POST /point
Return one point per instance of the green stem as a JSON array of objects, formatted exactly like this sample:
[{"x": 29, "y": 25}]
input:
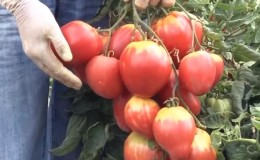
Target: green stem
[{"x": 110, "y": 30}]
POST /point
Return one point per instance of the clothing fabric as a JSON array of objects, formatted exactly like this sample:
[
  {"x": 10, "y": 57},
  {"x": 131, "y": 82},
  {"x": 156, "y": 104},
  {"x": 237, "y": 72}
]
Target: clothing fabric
[{"x": 28, "y": 127}]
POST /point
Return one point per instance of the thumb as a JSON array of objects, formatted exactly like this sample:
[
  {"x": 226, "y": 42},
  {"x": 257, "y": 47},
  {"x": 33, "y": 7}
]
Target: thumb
[{"x": 60, "y": 44}]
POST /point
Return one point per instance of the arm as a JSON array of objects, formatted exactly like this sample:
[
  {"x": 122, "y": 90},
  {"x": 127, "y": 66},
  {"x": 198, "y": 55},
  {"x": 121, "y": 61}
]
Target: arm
[{"x": 37, "y": 28}]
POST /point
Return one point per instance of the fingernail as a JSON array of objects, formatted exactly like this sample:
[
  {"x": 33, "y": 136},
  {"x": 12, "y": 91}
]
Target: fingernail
[{"x": 66, "y": 55}]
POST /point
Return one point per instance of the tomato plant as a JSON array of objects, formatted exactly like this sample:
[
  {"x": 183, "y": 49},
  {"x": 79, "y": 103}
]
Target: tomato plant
[
  {"x": 144, "y": 67},
  {"x": 140, "y": 113},
  {"x": 174, "y": 130}
]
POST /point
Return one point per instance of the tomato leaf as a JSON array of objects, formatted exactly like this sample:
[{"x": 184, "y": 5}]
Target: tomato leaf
[
  {"x": 240, "y": 94},
  {"x": 216, "y": 139},
  {"x": 96, "y": 139},
  {"x": 255, "y": 110},
  {"x": 244, "y": 53},
  {"x": 246, "y": 74},
  {"x": 242, "y": 149},
  {"x": 76, "y": 125},
  {"x": 256, "y": 122}
]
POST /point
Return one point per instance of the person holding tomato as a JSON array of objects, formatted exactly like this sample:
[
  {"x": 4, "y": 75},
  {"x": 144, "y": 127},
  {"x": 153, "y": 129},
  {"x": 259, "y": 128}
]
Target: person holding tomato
[{"x": 29, "y": 128}]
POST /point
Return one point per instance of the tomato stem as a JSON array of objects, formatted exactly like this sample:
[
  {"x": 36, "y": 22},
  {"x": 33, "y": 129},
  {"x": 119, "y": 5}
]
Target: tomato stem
[{"x": 111, "y": 29}]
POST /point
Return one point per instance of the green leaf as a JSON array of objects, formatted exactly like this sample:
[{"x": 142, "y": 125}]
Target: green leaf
[
  {"x": 255, "y": 110},
  {"x": 95, "y": 141},
  {"x": 240, "y": 94},
  {"x": 198, "y": 2},
  {"x": 246, "y": 74},
  {"x": 244, "y": 53},
  {"x": 216, "y": 139},
  {"x": 242, "y": 149},
  {"x": 73, "y": 135},
  {"x": 256, "y": 122}
]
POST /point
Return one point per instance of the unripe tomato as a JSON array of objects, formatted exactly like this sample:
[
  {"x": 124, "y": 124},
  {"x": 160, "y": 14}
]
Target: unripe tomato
[
  {"x": 174, "y": 129},
  {"x": 139, "y": 147},
  {"x": 84, "y": 42},
  {"x": 197, "y": 72},
  {"x": 219, "y": 67},
  {"x": 201, "y": 148},
  {"x": 103, "y": 77},
  {"x": 118, "y": 110},
  {"x": 140, "y": 114},
  {"x": 122, "y": 37},
  {"x": 223, "y": 106},
  {"x": 192, "y": 101},
  {"x": 144, "y": 67}
]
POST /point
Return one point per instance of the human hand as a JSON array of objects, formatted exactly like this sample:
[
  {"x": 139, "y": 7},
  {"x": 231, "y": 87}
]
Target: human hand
[
  {"x": 38, "y": 28},
  {"x": 142, "y": 4}
]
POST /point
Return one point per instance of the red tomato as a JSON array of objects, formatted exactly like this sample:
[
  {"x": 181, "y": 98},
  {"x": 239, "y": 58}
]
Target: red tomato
[
  {"x": 175, "y": 31},
  {"x": 192, "y": 101},
  {"x": 145, "y": 68},
  {"x": 174, "y": 130},
  {"x": 79, "y": 71},
  {"x": 219, "y": 68},
  {"x": 140, "y": 114},
  {"x": 201, "y": 148},
  {"x": 197, "y": 72},
  {"x": 118, "y": 110},
  {"x": 83, "y": 40},
  {"x": 122, "y": 37},
  {"x": 103, "y": 77},
  {"x": 166, "y": 92},
  {"x": 138, "y": 147}
]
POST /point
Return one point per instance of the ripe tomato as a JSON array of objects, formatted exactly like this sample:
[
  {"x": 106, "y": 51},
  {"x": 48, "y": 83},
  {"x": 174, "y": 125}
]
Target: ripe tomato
[
  {"x": 103, "y": 77},
  {"x": 197, "y": 72},
  {"x": 79, "y": 71},
  {"x": 174, "y": 129},
  {"x": 140, "y": 114},
  {"x": 175, "y": 31},
  {"x": 84, "y": 42},
  {"x": 122, "y": 37},
  {"x": 201, "y": 148},
  {"x": 118, "y": 110},
  {"x": 144, "y": 67},
  {"x": 219, "y": 67},
  {"x": 192, "y": 101},
  {"x": 138, "y": 147},
  {"x": 166, "y": 92}
]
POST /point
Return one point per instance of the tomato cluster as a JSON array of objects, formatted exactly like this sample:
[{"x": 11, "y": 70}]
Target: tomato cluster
[{"x": 137, "y": 74}]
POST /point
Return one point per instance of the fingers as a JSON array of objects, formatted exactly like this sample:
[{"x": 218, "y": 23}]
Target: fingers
[
  {"x": 168, "y": 3},
  {"x": 59, "y": 42},
  {"x": 154, "y": 2},
  {"x": 141, "y": 4},
  {"x": 54, "y": 68}
]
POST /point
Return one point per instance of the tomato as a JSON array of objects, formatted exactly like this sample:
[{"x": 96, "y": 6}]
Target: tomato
[
  {"x": 103, "y": 77},
  {"x": 223, "y": 106},
  {"x": 145, "y": 68},
  {"x": 175, "y": 31},
  {"x": 197, "y": 72},
  {"x": 219, "y": 67},
  {"x": 140, "y": 114},
  {"x": 84, "y": 42},
  {"x": 79, "y": 71},
  {"x": 174, "y": 129},
  {"x": 138, "y": 147},
  {"x": 122, "y": 37},
  {"x": 192, "y": 101},
  {"x": 201, "y": 148},
  {"x": 118, "y": 110},
  {"x": 166, "y": 92}
]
